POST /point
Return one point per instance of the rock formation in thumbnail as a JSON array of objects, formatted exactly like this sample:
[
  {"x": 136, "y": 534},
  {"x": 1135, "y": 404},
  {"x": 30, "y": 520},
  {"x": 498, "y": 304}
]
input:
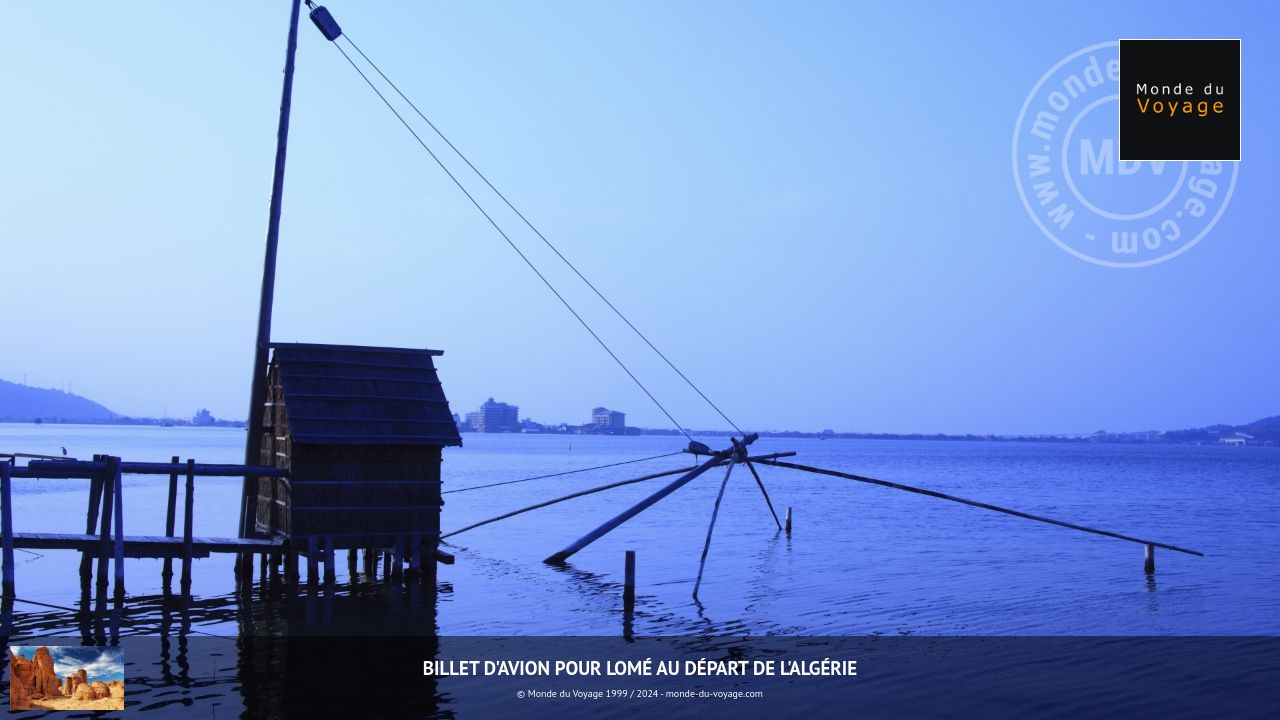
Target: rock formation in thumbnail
[{"x": 34, "y": 685}]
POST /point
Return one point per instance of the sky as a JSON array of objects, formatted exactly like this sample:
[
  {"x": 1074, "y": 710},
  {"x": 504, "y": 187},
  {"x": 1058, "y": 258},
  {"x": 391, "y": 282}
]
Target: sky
[
  {"x": 101, "y": 664},
  {"x": 809, "y": 207}
]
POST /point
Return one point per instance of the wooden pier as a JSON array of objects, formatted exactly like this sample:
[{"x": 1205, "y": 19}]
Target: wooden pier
[{"x": 104, "y": 538}]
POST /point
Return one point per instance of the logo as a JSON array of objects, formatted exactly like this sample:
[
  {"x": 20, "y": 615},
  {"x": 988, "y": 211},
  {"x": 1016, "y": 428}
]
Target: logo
[{"x": 1082, "y": 196}]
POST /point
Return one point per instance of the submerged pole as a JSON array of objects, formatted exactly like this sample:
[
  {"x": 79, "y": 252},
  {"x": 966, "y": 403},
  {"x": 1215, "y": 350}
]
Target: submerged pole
[
  {"x": 629, "y": 582},
  {"x": 1149, "y": 559},
  {"x": 262, "y": 345}
]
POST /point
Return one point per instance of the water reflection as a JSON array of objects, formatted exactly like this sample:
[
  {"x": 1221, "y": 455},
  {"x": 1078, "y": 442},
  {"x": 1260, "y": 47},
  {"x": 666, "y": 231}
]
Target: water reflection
[{"x": 270, "y": 649}]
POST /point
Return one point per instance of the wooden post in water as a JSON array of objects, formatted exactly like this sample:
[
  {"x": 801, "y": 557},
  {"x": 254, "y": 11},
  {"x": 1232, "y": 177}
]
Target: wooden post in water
[
  {"x": 788, "y": 521},
  {"x": 415, "y": 558},
  {"x": 629, "y": 583},
  {"x": 170, "y": 519},
  {"x": 91, "y": 522},
  {"x": 397, "y": 560},
  {"x": 386, "y": 564},
  {"x": 351, "y": 564},
  {"x": 117, "y": 482},
  {"x": 313, "y": 574},
  {"x": 104, "y": 528},
  {"x": 330, "y": 559},
  {"x": 188, "y": 523},
  {"x": 6, "y": 528},
  {"x": 369, "y": 561},
  {"x": 1149, "y": 559}
]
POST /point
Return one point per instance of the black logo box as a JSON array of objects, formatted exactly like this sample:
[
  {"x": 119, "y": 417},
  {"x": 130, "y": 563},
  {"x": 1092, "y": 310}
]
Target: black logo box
[{"x": 1187, "y": 68}]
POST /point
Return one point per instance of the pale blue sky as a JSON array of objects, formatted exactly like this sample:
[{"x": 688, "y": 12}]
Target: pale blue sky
[{"x": 808, "y": 205}]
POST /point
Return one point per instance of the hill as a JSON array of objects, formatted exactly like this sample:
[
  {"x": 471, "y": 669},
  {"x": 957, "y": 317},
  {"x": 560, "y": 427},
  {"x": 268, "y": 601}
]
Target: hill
[{"x": 20, "y": 403}]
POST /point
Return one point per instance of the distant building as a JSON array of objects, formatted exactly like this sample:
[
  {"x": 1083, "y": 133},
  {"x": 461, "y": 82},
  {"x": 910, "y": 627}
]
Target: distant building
[
  {"x": 494, "y": 417},
  {"x": 607, "y": 422}
]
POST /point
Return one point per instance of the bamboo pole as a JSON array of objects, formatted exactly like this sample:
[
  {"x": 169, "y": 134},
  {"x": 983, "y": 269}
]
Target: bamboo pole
[
  {"x": 715, "y": 511},
  {"x": 764, "y": 492},
  {"x": 590, "y": 491},
  {"x": 975, "y": 503},
  {"x": 634, "y": 510}
]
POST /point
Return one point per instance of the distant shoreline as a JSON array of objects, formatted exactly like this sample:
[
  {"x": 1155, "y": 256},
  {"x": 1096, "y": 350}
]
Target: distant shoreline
[{"x": 1213, "y": 435}]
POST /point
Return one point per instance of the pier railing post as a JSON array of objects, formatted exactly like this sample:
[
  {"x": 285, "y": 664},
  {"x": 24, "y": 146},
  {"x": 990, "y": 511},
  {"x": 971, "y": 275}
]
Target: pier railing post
[
  {"x": 188, "y": 518},
  {"x": 170, "y": 519},
  {"x": 91, "y": 521},
  {"x": 117, "y": 484},
  {"x": 6, "y": 527},
  {"x": 104, "y": 535}
]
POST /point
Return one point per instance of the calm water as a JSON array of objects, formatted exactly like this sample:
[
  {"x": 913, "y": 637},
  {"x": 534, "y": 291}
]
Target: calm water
[{"x": 862, "y": 560}]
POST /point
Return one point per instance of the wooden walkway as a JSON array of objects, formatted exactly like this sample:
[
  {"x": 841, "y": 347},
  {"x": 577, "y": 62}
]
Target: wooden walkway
[
  {"x": 146, "y": 546},
  {"x": 104, "y": 538}
]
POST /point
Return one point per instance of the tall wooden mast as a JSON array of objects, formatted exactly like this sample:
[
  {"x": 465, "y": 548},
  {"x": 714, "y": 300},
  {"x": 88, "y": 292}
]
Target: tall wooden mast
[{"x": 262, "y": 344}]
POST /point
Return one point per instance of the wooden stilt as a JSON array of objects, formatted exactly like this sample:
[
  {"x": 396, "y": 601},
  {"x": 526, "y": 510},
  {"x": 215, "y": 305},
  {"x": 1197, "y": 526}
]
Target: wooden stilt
[
  {"x": 330, "y": 557},
  {"x": 386, "y": 564},
  {"x": 117, "y": 481},
  {"x": 6, "y": 529},
  {"x": 313, "y": 574},
  {"x": 188, "y": 522},
  {"x": 369, "y": 563},
  {"x": 351, "y": 564},
  {"x": 170, "y": 519},
  {"x": 415, "y": 557},
  {"x": 291, "y": 565},
  {"x": 788, "y": 522},
  {"x": 91, "y": 521},
  {"x": 262, "y": 566},
  {"x": 104, "y": 531},
  {"x": 1149, "y": 560},
  {"x": 397, "y": 559}
]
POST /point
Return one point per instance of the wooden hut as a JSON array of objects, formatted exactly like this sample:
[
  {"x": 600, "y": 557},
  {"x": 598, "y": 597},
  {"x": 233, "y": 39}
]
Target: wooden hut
[{"x": 360, "y": 430}]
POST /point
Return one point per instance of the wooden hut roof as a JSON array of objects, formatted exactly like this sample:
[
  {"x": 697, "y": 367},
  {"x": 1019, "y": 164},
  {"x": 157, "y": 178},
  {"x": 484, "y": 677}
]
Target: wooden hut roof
[{"x": 355, "y": 395}]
